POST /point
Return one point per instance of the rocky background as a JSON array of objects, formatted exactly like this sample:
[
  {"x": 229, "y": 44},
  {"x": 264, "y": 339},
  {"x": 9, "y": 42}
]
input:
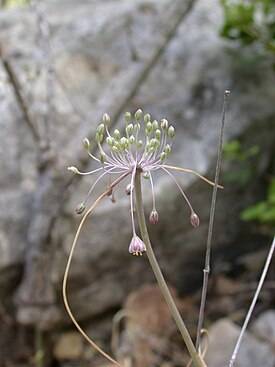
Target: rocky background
[{"x": 64, "y": 64}]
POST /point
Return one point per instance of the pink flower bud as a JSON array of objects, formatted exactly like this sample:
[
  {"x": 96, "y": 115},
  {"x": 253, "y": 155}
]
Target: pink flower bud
[
  {"x": 154, "y": 217},
  {"x": 195, "y": 220}
]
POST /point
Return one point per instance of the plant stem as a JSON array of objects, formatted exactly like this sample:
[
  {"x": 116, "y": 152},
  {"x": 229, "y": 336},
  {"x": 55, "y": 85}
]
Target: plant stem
[
  {"x": 206, "y": 269},
  {"x": 197, "y": 360}
]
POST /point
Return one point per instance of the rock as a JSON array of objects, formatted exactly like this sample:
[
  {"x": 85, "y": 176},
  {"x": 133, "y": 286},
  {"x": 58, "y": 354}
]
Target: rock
[
  {"x": 92, "y": 44},
  {"x": 223, "y": 336},
  {"x": 68, "y": 346},
  {"x": 264, "y": 327}
]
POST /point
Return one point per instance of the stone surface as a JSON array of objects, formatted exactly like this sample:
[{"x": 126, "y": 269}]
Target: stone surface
[
  {"x": 264, "y": 327},
  {"x": 223, "y": 336},
  {"x": 93, "y": 42}
]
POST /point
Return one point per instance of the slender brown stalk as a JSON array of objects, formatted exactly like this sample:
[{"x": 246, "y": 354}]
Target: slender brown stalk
[{"x": 206, "y": 269}]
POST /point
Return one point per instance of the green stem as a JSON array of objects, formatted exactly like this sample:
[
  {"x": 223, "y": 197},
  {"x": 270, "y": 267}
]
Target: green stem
[{"x": 198, "y": 362}]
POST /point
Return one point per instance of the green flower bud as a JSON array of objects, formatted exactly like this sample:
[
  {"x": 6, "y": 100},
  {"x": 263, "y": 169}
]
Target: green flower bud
[
  {"x": 152, "y": 149},
  {"x": 146, "y": 175},
  {"x": 86, "y": 143},
  {"x": 164, "y": 124},
  {"x": 140, "y": 144},
  {"x": 100, "y": 129},
  {"x": 149, "y": 126},
  {"x": 80, "y": 208},
  {"x": 153, "y": 143},
  {"x": 163, "y": 156},
  {"x": 115, "y": 149},
  {"x": 167, "y": 149},
  {"x": 129, "y": 129},
  {"x": 98, "y": 137},
  {"x": 158, "y": 134},
  {"x": 106, "y": 119},
  {"x": 110, "y": 141},
  {"x": 147, "y": 118},
  {"x": 127, "y": 116},
  {"x": 102, "y": 157},
  {"x": 138, "y": 114},
  {"x": 116, "y": 134},
  {"x": 124, "y": 143},
  {"x": 131, "y": 139},
  {"x": 171, "y": 131},
  {"x": 155, "y": 125},
  {"x": 137, "y": 127}
]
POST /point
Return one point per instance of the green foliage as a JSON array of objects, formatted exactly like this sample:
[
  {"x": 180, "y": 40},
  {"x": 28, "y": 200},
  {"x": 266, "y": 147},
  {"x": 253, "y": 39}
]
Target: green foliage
[
  {"x": 250, "y": 21},
  {"x": 264, "y": 211},
  {"x": 234, "y": 152}
]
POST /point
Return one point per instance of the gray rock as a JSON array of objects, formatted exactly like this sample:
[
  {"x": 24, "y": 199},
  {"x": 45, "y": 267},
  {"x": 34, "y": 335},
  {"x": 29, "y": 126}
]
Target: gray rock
[
  {"x": 223, "y": 336},
  {"x": 91, "y": 46},
  {"x": 264, "y": 327}
]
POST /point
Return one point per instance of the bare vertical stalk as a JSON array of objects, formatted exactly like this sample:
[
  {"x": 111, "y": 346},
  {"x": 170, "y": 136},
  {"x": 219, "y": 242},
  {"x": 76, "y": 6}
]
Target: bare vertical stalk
[
  {"x": 197, "y": 360},
  {"x": 251, "y": 308},
  {"x": 206, "y": 269}
]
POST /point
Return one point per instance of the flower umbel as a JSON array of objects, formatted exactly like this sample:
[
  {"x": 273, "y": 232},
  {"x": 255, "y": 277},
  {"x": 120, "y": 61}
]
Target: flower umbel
[{"x": 143, "y": 147}]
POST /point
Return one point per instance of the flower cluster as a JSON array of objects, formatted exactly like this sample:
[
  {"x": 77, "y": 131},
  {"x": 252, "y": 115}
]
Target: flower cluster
[{"x": 143, "y": 147}]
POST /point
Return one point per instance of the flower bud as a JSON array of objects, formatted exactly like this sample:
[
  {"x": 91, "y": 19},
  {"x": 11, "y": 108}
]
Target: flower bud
[
  {"x": 154, "y": 216},
  {"x": 158, "y": 134},
  {"x": 102, "y": 157},
  {"x": 100, "y": 129},
  {"x": 116, "y": 134},
  {"x": 131, "y": 139},
  {"x": 171, "y": 131},
  {"x": 129, "y": 189},
  {"x": 98, "y": 137},
  {"x": 167, "y": 149},
  {"x": 137, "y": 127},
  {"x": 127, "y": 116},
  {"x": 106, "y": 119},
  {"x": 138, "y": 114},
  {"x": 194, "y": 219},
  {"x": 149, "y": 126},
  {"x": 155, "y": 125},
  {"x": 147, "y": 118},
  {"x": 115, "y": 149},
  {"x": 73, "y": 169},
  {"x": 86, "y": 143},
  {"x": 164, "y": 124},
  {"x": 110, "y": 141},
  {"x": 80, "y": 208},
  {"x": 163, "y": 156},
  {"x": 146, "y": 175},
  {"x": 140, "y": 144},
  {"x": 129, "y": 129}
]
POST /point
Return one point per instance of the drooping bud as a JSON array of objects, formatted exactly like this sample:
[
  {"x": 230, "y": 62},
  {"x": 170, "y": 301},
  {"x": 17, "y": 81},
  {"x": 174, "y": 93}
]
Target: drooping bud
[
  {"x": 106, "y": 119},
  {"x": 127, "y": 117},
  {"x": 86, "y": 143},
  {"x": 138, "y": 114},
  {"x": 73, "y": 169},
  {"x": 164, "y": 124},
  {"x": 194, "y": 219},
  {"x": 80, "y": 208},
  {"x": 163, "y": 156},
  {"x": 137, "y": 246},
  {"x": 147, "y": 118},
  {"x": 154, "y": 216},
  {"x": 171, "y": 131},
  {"x": 129, "y": 189}
]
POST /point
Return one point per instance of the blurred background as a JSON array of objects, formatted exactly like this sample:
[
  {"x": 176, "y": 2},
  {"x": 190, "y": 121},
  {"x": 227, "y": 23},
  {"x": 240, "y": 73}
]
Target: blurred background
[{"x": 64, "y": 63}]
